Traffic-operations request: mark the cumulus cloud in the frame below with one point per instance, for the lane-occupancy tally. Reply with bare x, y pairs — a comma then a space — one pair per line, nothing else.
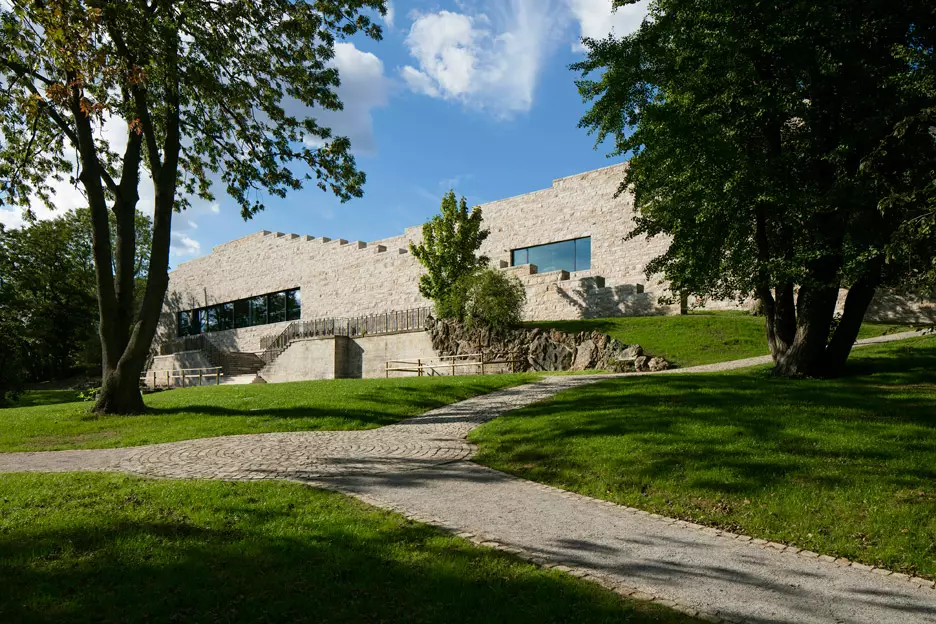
183, 245
364, 87
596, 19
388, 18
489, 60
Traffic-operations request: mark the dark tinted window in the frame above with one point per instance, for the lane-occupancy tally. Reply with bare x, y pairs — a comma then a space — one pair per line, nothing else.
272, 308
211, 319
570, 255
293, 305
258, 310
277, 307
242, 313
226, 316
185, 323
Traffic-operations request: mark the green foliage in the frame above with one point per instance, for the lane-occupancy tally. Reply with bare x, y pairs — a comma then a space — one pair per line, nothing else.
184, 414
490, 299
47, 283
211, 94
779, 145
842, 467
83, 548
448, 251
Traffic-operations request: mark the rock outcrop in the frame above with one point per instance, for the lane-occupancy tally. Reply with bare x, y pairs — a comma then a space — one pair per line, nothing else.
540, 349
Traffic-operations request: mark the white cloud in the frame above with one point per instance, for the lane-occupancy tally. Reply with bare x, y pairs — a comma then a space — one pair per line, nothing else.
488, 61
364, 87
596, 19
183, 245
388, 18
215, 208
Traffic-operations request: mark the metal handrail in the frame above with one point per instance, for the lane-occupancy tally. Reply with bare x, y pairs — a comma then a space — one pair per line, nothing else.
355, 327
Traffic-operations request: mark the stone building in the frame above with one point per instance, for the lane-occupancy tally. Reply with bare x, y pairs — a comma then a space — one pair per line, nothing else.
567, 244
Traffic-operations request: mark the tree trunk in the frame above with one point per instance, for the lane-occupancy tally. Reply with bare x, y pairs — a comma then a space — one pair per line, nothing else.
856, 305
120, 391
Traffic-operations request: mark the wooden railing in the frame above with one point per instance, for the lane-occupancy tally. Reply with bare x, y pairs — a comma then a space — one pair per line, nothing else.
434, 366
355, 327
181, 377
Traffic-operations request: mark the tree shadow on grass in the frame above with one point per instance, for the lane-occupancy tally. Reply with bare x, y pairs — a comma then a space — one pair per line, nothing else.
735, 433
371, 409
297, 563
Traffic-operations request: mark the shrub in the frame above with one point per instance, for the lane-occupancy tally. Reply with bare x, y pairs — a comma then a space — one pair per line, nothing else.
488, 298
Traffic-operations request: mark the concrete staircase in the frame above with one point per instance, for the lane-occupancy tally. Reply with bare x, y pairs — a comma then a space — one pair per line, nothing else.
238, 363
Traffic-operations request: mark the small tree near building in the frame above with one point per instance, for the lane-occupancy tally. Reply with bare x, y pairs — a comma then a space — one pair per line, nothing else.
449, 251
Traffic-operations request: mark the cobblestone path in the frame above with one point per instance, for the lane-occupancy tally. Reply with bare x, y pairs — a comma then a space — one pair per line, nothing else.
419, 467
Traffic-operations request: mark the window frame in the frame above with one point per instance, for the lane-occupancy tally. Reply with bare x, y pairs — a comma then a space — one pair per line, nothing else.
575, 253
225, 316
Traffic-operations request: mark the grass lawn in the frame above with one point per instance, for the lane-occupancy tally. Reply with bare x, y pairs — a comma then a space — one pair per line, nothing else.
190, 413
844, 467
696, 338
107, 548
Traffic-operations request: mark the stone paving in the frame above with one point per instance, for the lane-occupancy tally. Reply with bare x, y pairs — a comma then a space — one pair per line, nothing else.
419, 467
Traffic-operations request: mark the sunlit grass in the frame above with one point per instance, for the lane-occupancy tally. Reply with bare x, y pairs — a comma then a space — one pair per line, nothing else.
843, 467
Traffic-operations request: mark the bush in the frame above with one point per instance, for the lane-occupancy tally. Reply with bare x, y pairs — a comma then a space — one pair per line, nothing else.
486, 298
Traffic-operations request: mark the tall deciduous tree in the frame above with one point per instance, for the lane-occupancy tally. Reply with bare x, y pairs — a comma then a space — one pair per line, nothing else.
449, 250
203, 91
788, 149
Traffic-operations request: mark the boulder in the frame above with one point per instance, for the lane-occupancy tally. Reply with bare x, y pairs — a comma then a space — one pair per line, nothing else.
585, 356
658, 364
642, 363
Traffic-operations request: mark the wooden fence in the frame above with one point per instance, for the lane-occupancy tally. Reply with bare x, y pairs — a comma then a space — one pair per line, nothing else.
435, 366
181, 377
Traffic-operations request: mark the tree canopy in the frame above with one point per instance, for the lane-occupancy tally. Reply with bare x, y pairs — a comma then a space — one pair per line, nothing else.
449, 252
787, 148
205, 95
47, 289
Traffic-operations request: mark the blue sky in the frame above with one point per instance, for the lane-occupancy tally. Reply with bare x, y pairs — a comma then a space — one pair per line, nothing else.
475, 95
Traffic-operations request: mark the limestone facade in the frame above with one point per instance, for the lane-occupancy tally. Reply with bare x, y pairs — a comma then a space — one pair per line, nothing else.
340, 278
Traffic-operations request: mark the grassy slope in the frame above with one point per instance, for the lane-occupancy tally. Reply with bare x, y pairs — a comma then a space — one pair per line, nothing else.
211, 411
107, 548
841, 467
697, 338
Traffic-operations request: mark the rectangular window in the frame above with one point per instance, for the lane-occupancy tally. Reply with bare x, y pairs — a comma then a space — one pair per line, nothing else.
570, 255
285, 305
258, 310
185, 323
242, 313
226, 316
277, 307
293, 305
583, 253
211, 319
197, 318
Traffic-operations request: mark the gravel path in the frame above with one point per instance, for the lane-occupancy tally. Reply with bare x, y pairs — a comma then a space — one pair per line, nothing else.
420, 467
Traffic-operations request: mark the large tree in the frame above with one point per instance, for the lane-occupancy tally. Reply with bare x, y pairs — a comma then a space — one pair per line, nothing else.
203, 91
787, 148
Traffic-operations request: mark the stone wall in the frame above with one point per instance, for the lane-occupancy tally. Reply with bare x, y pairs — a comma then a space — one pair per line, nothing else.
341, 357
542, 349
314, 358
339, 278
